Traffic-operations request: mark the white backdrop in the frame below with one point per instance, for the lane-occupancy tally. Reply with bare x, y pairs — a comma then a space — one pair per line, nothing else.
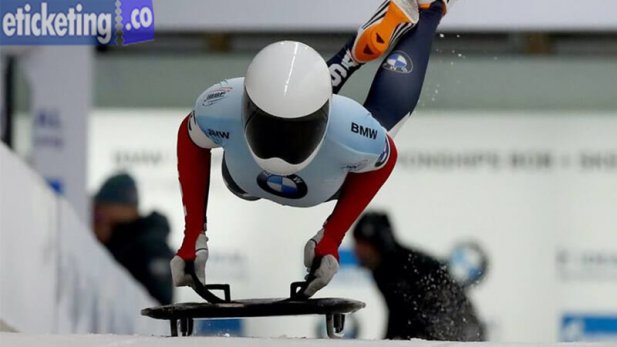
537, 191
59, 113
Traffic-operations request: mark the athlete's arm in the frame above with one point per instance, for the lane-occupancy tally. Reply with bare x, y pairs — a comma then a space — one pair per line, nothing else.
321, 252
356, 193
194, 176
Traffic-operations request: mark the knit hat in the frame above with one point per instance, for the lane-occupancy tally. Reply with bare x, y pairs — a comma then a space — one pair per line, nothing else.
118, 189
375, 228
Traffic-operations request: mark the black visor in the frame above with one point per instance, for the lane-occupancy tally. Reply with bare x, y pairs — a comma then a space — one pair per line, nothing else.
292, 140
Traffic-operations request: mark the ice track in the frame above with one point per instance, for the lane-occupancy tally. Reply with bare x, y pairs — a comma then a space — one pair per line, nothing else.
32, 340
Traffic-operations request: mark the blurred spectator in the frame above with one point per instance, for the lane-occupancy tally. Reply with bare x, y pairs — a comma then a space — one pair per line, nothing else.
423, 300
138, 243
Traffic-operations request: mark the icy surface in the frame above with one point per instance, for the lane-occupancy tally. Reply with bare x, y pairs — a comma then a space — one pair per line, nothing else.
27, 340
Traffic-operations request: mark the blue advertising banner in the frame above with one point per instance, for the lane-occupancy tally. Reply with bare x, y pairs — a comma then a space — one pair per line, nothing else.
588, 327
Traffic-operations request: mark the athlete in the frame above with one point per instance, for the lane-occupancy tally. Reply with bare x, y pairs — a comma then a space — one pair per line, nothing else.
289, 138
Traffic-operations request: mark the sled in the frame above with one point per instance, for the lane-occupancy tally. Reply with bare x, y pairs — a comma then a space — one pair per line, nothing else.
182, 315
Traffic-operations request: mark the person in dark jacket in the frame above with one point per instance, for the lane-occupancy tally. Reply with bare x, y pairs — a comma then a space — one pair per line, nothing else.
423, 301
138, 243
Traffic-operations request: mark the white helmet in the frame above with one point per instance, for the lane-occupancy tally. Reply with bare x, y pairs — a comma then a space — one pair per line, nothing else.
286, 105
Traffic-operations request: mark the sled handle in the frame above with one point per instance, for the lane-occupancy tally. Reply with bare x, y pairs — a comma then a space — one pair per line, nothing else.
296, 289
204, 290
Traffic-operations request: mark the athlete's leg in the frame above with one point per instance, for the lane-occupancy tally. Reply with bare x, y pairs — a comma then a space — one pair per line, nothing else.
398, 82
391, 20
342, 66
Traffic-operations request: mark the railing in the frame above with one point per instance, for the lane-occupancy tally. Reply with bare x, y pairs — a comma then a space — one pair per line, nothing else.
54, 275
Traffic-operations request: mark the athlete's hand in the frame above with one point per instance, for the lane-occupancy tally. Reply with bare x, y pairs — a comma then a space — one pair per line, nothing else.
179, 272
321, 267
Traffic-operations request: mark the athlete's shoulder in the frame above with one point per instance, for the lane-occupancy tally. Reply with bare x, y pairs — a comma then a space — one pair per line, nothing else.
221, 100
353, 126
217, 112
354, 129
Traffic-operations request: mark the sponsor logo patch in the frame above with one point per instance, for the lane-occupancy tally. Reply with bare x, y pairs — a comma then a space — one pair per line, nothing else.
357, 166
339, 72
290, 187
216, 95
217, 136
218, 133
364, 131
383, 157
398, 61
